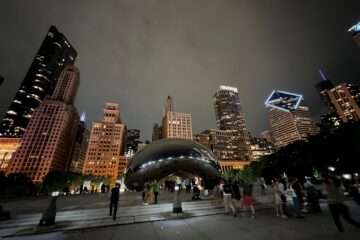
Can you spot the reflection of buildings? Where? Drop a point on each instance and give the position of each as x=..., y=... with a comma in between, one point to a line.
x=175, y=124
x=355, y=31
x=289, y=120
x=7, y=147
x=105, y=152
x=261, y=147
x=231, y=121
x=50, y=135
x=79, y=148
x=54, y=54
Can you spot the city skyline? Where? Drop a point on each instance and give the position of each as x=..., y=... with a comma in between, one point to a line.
x=175, y=61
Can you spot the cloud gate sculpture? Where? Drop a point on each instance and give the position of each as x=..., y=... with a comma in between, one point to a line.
x=171, y=156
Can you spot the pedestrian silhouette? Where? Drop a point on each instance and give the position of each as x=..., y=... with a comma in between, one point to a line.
x=114, y=200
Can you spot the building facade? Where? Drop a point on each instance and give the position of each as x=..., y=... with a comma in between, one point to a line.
x=261, y=147
x=79, y=148
x=267, y=135
x=54, y=54
x=8, y=146
x=157, y=132
x=355, y=31
x=175, y=124
x=105, y=152
x=48, y=141
x=132, y=140
x=345, y=100
x=289, y=121
x=230, y=117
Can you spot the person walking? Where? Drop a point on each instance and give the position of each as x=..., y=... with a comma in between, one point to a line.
x=336, y=204
x=277, y=198
x=227, y=199
x=114, y=200
x=156, y=191
x=296, y=192
x=236, y=197
x=248, y=199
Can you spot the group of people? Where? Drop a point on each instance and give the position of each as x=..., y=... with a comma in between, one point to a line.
x=237, y=197
x=298, y=193
x=151, y=192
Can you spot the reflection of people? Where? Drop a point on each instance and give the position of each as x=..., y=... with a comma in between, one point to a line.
x=336, y=200
x=114, y=199
x=196, y=193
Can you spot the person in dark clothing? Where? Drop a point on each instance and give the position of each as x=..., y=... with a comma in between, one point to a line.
x=236, y=196
x=298, y=197
x=196, y=193
x=114, y=200
x=336, y=200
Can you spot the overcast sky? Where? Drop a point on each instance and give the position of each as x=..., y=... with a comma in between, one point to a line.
x=136, y=52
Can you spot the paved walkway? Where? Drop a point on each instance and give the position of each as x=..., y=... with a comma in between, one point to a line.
x=266, y=226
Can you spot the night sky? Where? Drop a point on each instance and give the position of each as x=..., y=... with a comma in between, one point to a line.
x=137, y=52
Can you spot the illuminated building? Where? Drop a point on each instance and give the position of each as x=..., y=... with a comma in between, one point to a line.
x=7, y=148
x=175, y=124
x=54, y=54
x=267, y=135
x=79, y=148
x=204, y=138
x=261, y=147
x=355, y=31
x=48, y=141
x=231, y=120
x=342, y=101
x=105, y=152
x=157, y=132
x=132, y=140
x=289, y=120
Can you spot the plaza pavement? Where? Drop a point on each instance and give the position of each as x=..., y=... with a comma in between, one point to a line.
x=266, y=226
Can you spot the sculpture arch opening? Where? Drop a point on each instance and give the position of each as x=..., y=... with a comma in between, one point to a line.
x=170, y=156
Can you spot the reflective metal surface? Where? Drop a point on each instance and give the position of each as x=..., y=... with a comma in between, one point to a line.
x=171, y=156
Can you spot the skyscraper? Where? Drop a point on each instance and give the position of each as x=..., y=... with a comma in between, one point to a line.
x=355, y=31
x=156, y=134
x=175, y=124
x=105, y=152
x=8, y=146
x=289, y=120
x=78, y=152
x=229, y=117
x=342, y=101
x=132, y=140
x=54, y=54
x=48, y=141
x=1, y=80
x=330, y=119
x=261, y=147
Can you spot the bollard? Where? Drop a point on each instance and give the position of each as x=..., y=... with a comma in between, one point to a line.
x=48, y=217
x=177, y=208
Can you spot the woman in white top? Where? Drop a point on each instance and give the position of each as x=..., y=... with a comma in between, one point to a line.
x=277, y=189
